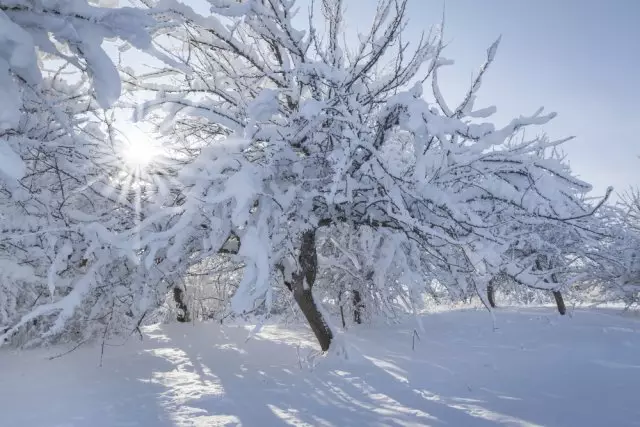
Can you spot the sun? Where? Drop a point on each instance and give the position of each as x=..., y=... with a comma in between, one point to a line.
x=139, y=154
x=139, y=149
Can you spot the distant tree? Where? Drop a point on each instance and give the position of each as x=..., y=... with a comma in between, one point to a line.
x=613, y=265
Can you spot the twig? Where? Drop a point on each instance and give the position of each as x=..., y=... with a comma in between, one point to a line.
x=104, y=335
x=67, y=352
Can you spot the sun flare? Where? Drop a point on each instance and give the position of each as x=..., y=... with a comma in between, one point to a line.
x=139, y=150
x=139, y=154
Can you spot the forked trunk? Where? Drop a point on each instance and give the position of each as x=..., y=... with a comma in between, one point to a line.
x=562, y=309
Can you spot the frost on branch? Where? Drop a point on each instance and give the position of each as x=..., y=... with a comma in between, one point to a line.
x=340, y=138
x=313, y=165
x=63, y=198
x=73, y=31
x=613, y=265
x=68, y=35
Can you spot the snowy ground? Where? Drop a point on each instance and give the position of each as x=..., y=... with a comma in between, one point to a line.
x=536, y=368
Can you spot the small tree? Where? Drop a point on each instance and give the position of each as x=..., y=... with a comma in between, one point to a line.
x=614, y=263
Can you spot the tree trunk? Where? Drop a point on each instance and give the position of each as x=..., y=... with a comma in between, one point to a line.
x=357, y=307
x=178, y=296
x=302, y=285
x=490, y=295
x=344, y=323
x=307, y=304
x=562, y=309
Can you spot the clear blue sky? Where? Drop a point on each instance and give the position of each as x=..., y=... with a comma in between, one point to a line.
x=580, y=58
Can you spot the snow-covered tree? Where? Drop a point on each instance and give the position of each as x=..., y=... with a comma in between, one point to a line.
x=613, y=264
x=631, y=279
x=551, y=255
x=63, y=190
x=71, y=32
x=300, y=131
x=304, y=161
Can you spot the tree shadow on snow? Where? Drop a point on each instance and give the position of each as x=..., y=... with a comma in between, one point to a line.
x=214, y=381
x=534, y=369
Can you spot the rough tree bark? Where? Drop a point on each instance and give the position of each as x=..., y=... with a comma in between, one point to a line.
x=491, y=294
x=183, y=313
x=562, y=309
x=301, y=286
x=357, y=307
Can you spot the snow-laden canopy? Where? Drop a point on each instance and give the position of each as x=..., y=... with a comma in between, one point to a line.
x=281, y=143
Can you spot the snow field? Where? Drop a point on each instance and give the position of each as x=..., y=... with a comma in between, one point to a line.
x=535, y=368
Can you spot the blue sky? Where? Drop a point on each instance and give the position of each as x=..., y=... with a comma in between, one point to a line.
x=580, y=58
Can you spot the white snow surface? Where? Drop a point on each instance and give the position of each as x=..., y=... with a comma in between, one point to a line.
x=535, y=368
